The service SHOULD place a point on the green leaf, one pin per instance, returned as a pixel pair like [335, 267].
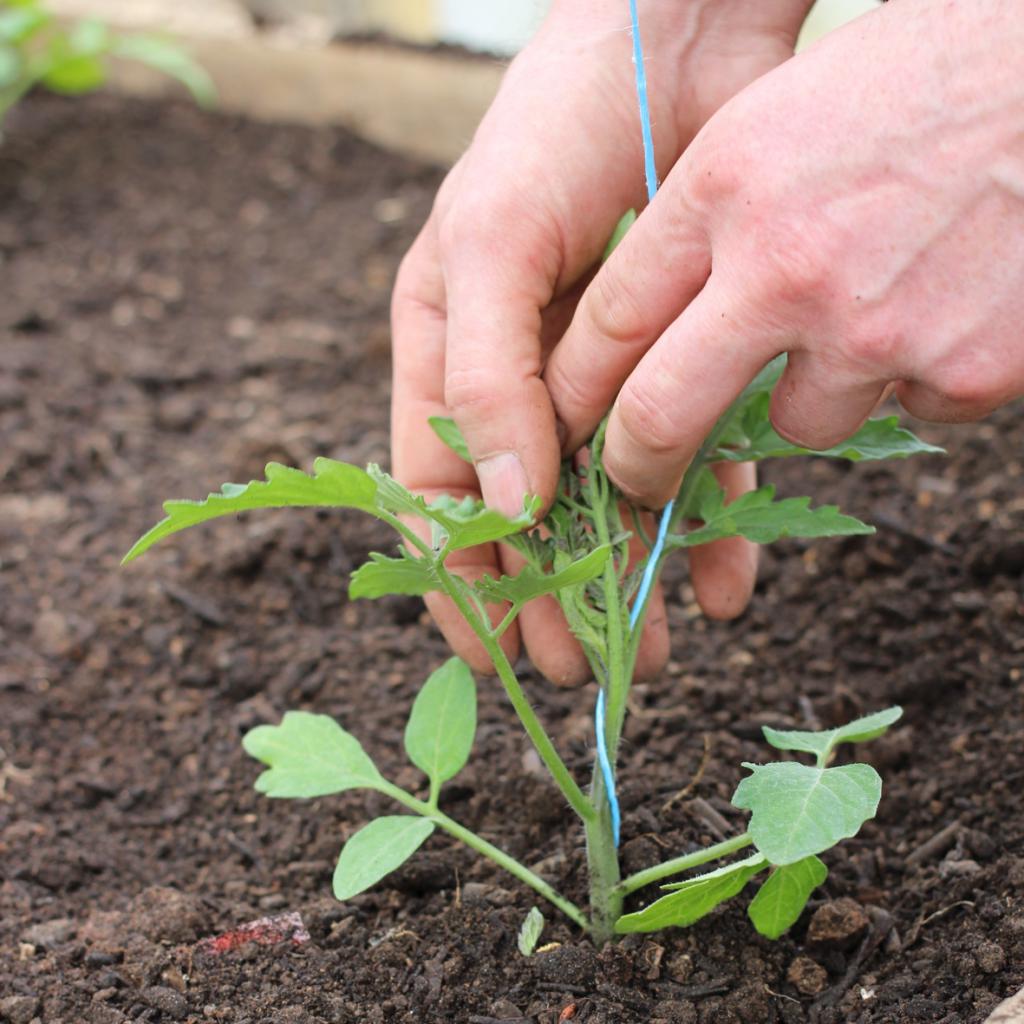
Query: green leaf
[333, 485]
[693, 899]
[406, 574]
[18, 24]
[309, 755]
[90, 37]
[760, 518]
[172, 60]
[822, 743]
[74, 75]
[376, 850]
[780, 901]
[10, 66]
[442, 725]
[447, 430]
[531, 582]
[529, 932]
[627, 220]
[799, 810]
[751, 437]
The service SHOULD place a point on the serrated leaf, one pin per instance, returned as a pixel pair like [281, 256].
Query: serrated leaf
[308, 756]
[406, 574]
[457, 522]
[376, 850]
[530, 931]
[332, 485]
[441, 728]
[448, 431]
[799, 810]
[822, 742]
[531, 582]
[760, 518]
[693, 899]
[751, 437]
[626, 221]
[780, 901]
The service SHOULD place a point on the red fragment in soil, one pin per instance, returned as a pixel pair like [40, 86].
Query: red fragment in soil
[265, 931]
[568, 1013]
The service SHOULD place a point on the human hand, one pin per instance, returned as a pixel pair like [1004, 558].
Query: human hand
[518, 226]
[861, 208]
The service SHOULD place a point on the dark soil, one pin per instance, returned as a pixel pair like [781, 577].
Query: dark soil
[187, 296]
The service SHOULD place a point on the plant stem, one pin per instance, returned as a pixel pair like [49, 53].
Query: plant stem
[545, 748]
[603, 866]
[684, 863]
[502, 859]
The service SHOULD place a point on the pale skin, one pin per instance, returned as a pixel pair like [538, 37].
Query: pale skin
[859, 207]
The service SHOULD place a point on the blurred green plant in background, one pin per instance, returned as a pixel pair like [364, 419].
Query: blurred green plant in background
[37, 49]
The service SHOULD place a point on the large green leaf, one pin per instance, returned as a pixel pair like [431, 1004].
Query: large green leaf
[822, 743]
[406, 574]
[333, 485]
[531, 582]
[309, 755]
[751, 437]
[760, 518]
[376, 850]
[442, 725]
[799, 810]
[693, 899]
[780, 901]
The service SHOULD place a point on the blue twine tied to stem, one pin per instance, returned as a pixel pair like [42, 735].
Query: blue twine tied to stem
[647, 580]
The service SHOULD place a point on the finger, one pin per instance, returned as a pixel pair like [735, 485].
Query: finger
[420, 460]
[932, 405]
[493, 355]
[724, 573]
[655, 271]
[819, 402]
[683, 384]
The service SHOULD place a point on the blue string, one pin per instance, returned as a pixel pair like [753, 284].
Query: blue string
[647, 580]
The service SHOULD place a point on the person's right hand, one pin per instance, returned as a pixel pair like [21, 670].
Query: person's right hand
[861, 208]
[517, 229]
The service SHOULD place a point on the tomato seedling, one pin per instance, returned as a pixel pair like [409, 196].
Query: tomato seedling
[579, 554]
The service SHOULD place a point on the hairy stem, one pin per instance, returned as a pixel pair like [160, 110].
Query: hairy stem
[502, 859]
[684, 863]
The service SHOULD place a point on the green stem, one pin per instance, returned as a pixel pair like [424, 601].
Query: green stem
[603, 866]
[684, 863]
[545, 748]
[502, 859]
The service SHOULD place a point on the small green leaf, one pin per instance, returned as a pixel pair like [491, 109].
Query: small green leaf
[760, 518]
[74, 74]
[447, 430]
[442, 725]
[531, 582]
[309, 755]
[822, 743]
[529, 932]
[693, 899]
[406, 574]
[780, 901]
[626, 221]
[376, 850]
[333, 485]
[172, 60]
[799, 810]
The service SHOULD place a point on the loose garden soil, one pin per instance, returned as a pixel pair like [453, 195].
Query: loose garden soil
[186, 296]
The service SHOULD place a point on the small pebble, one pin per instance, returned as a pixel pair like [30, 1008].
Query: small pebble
[806, 976]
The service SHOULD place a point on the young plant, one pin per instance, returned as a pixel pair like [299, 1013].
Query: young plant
[37, 50]
[579, 553]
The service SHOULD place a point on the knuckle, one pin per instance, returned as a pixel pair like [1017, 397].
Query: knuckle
[470, 387]
[646, 413]
[614, 310]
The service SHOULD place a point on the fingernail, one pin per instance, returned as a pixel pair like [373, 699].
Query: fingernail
[503, 483]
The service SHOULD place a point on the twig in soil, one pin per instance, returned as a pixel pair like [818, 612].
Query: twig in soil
[203, 609]
[710, 818]
[695, 781]
[867, 949]
[939, 843]
[915, 929]
[781, 995]
[715, 987]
